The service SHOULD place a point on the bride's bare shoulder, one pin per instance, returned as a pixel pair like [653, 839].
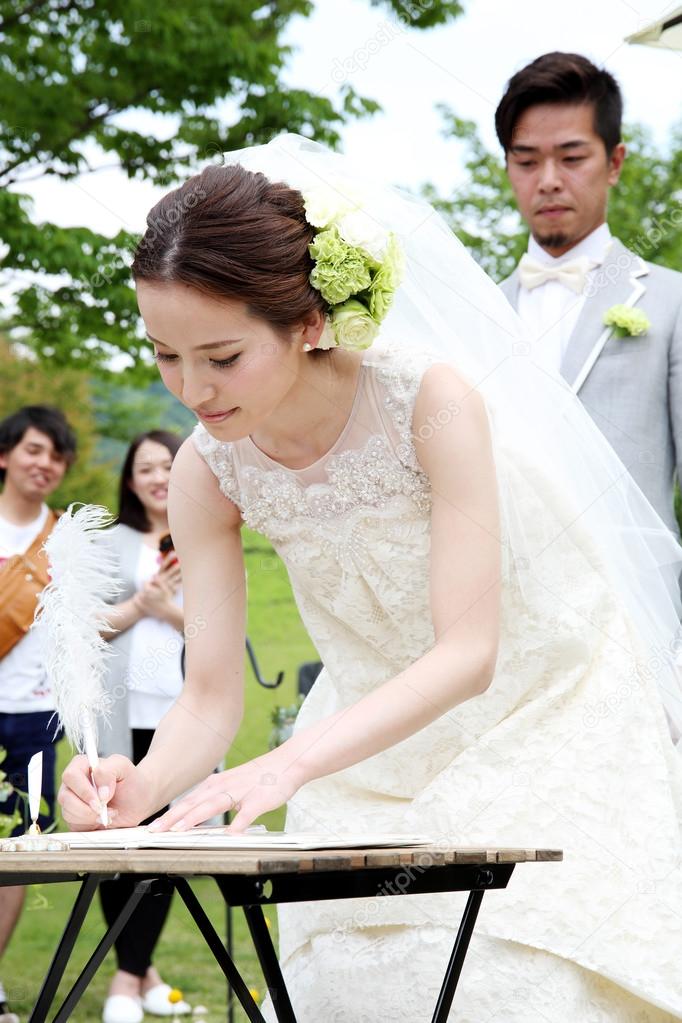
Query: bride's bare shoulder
[449, 415]
[194, 491]
[443, 388]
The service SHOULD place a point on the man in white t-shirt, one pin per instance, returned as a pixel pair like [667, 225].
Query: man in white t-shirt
[37, 446]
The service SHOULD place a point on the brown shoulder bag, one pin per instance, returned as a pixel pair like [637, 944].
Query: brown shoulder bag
[23, 577]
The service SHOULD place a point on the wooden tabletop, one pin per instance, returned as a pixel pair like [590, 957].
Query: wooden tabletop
[188, 862]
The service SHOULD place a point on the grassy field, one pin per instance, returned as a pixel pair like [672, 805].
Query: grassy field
[281, 644]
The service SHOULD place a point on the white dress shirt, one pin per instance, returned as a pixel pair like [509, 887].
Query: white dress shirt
[154, 676]
[551, 310]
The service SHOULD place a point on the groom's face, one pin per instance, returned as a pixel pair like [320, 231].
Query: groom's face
[560, 173]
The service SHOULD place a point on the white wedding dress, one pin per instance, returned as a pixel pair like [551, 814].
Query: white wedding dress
[568, 748]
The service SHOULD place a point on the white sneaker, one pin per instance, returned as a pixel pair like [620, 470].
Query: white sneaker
[122, 1009]
[5, 1015]
[158, 1002]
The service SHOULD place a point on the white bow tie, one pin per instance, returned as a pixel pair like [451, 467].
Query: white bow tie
[572, 273]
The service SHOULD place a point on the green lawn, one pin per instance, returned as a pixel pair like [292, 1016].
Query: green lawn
[281, 644]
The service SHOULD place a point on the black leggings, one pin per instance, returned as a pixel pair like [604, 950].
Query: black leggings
[136, 943]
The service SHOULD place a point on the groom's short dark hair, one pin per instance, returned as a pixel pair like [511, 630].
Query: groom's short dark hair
[562, 78]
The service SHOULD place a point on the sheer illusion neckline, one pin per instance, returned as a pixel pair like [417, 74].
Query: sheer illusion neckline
[337, 443]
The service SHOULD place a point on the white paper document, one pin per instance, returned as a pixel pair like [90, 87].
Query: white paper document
[218, 838]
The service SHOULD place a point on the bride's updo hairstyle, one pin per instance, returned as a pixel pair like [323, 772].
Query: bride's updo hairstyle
[234, 234]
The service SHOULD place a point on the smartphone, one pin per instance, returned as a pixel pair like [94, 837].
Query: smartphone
[166, 545]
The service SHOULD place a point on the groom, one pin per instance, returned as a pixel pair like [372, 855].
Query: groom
[559, 123]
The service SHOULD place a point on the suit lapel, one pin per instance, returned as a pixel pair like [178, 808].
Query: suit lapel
[617, 282]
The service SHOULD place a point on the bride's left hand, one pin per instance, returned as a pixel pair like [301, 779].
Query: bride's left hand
[248, 791]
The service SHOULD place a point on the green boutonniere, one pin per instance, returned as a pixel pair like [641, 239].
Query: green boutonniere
[626, 321]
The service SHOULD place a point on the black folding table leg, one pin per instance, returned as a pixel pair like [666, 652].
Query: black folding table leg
[267, 957]
[459, 951]
[229, 945]
[97, 958]
[216, 946]
[64, 949]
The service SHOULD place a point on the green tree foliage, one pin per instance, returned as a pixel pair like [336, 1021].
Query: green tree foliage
[71, 75]
[422, 13]
[645, 208]
[123, 412]
[24, 382]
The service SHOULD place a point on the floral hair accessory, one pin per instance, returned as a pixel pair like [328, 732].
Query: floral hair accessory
[626, 321]
[358, 267]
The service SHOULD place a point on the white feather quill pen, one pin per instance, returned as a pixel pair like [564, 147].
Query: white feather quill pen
[71, 611]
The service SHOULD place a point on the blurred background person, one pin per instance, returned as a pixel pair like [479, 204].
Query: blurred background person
[144, 678]
[37, 446]
[559, 123]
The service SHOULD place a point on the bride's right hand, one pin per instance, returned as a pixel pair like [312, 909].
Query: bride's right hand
[120, 787]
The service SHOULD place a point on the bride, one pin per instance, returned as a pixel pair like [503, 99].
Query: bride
[495, 603]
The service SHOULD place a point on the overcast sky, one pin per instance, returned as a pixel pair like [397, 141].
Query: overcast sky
[464, 65]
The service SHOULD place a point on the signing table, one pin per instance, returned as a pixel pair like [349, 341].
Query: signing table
[256, 878]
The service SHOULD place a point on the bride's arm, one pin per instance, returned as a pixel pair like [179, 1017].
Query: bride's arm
[464, 589]
[200, 726]
[465, 597]
[196, 732]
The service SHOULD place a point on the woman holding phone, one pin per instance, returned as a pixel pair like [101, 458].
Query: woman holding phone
[144, 678]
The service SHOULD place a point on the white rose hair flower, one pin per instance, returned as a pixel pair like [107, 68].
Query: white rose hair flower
[358, 229]
[325, 205]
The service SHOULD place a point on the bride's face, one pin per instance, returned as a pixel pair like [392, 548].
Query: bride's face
[229, 367]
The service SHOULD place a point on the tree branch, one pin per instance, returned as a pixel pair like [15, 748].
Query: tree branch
[79, 132]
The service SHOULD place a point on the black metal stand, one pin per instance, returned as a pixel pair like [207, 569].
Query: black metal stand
[229, 944]
[252, 892]
[459, 951]
[267, 957]
[65, 948]
[225, 961]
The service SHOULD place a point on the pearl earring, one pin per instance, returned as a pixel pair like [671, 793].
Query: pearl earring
[307, 347]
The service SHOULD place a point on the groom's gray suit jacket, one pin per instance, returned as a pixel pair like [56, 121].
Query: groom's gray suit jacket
[632, 387]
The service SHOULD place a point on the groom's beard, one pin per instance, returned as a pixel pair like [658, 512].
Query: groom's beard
[553, 241]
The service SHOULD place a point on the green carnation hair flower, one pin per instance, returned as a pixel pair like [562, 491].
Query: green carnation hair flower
[340, 270]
